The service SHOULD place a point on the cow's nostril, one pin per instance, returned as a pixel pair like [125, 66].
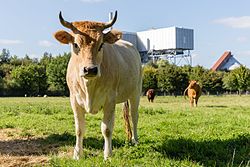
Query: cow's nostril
[85, 69]
[94, 70]
[90, 71]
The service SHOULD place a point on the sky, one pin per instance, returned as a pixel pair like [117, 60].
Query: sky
[27, 26]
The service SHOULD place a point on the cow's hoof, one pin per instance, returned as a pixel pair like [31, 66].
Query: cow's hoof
[76, 157]
[107, 159]
[135, 142]
[77, 154]
[107, 156]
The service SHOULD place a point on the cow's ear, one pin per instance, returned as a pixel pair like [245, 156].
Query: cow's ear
[112, 36]
[64, 37]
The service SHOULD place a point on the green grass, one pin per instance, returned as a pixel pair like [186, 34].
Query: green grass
[216, 133]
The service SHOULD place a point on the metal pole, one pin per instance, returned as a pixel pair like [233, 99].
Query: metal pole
[190, 57]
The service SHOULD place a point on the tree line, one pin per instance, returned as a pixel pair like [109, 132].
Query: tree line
[173, 80]
[33, 77]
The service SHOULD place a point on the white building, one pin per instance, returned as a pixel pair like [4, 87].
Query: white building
[164, 43]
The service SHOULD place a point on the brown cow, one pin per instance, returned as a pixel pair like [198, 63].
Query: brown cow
[102, 72]
[151, 95]
[194, 92]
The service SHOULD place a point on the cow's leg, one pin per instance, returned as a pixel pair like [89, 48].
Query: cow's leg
[191, 101]
[134, 102]
[107, 128]
[79, 116]
[196, 102]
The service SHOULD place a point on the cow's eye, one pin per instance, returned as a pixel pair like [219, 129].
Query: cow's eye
[75, 46]
[100, 47]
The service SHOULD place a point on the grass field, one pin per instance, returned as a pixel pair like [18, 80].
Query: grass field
[40, 132]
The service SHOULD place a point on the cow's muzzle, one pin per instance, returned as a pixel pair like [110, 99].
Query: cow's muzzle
[89, 72]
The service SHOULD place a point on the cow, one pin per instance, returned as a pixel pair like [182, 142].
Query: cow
[150, 95]
[103, 71]
[193, 92]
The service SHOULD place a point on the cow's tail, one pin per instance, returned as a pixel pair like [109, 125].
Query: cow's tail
[184, 94]
[126, 119]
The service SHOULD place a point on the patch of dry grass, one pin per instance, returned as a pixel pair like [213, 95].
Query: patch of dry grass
[21, 151]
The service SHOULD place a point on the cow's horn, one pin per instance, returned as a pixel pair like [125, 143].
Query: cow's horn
[66, 23]
[111, 22]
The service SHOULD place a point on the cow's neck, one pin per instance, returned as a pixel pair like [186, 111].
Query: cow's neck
[90, 102]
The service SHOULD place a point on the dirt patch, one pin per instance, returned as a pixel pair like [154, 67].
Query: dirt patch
[23, 151]
[13, 161]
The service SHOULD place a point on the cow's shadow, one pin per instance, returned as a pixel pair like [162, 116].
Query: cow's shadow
[49, 145]
[231, 152]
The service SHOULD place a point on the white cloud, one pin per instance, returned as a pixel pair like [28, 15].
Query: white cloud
[45, 43]
[10, 42]
[235, 22]
[92, 1]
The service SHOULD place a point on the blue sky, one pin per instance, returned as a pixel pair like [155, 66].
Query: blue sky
[27, 26]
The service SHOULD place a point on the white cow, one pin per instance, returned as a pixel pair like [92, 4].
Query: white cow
[103, 71]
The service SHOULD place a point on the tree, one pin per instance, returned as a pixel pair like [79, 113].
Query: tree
[230, 81]
[242, 75]
[152, 64]
[162, 63]
[30, 79]
[5, 69]
[197, 74]
[5, 78]
[14, 60]
[187, 69]
[182, 81]
[56, 72]
[149, 78]
[46, 59]
[171, 79]
[1, 84]
[212, 82]
[237, 79]
[5, 56]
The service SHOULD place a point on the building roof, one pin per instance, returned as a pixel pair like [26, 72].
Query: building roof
[226, 62]
[221, 60]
